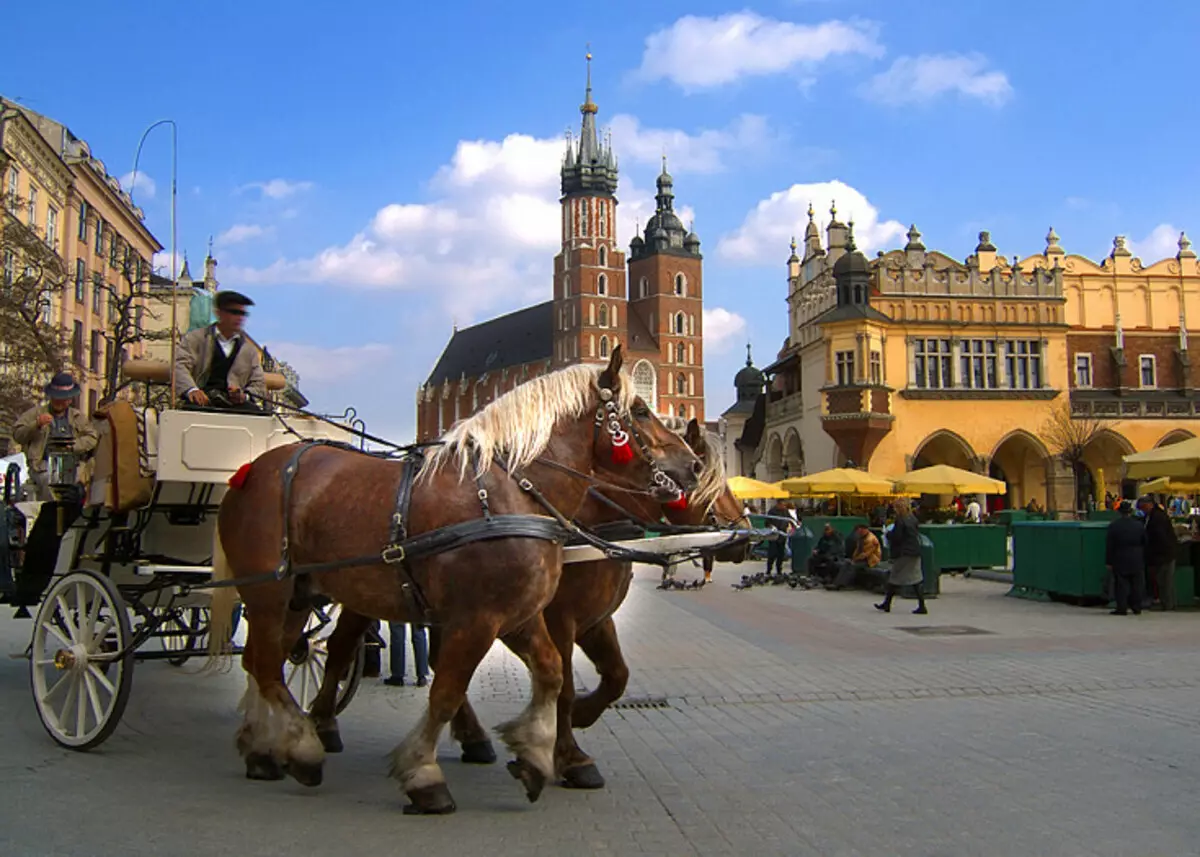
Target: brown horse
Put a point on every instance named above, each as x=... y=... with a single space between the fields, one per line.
x=581 y=612
x=567 y=430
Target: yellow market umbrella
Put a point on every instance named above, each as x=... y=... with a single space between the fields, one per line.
x=944 y=479
x=840 y=480
x=1181 y=460
x=1167 y=485
x=745 y=488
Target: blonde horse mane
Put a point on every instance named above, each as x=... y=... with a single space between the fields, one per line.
x=521 y=423
x=712 y=480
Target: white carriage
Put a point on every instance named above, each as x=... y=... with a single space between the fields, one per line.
x=123 y=571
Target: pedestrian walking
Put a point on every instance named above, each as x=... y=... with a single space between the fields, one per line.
x=1161 y=545
x=1125 y=557
x=420 y=644
x=778 y=518
x=905 y=546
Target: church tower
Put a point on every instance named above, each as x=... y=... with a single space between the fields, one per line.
x=666 y=276
x=589 y=271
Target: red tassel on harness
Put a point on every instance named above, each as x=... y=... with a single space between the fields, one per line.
x=621 y=451
x=679 y=503
x=238 y=479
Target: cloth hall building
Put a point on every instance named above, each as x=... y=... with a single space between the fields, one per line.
x=650 y=302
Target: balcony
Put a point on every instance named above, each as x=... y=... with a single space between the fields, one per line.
x=788 y=407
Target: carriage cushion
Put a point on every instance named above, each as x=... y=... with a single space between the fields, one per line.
x=129 y=486
x=159 y=372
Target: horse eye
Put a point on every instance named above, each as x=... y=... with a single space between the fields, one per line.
x=641 y=412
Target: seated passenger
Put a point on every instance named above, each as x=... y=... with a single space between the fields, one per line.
x=217 y=366
x=58 y=421
x=866 y=555
x=829 y=551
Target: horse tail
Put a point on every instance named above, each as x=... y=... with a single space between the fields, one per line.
x=224 y=598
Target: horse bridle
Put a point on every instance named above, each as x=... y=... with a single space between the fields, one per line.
x=608 y=416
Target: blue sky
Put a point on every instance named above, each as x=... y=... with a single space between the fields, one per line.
x=376 y=173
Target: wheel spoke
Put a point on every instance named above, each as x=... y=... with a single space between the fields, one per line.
x=94 y=697
x=69 y=704
x=54 y=629
x=68 y=622
x=99 y=639
x=81 y=705
x=53 y=689
x=98 y=674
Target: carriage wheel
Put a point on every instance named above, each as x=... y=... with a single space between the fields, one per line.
x=304 y=669
x=185 y=631
x=79 y=688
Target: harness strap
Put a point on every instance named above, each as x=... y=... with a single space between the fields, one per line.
x=289 y=476
x=414 y=598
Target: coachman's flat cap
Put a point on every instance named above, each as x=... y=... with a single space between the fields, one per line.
x=230 y=300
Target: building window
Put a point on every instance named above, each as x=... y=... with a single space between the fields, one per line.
x=603 y=253
x=876 y=368
x=680 y=412
x=604 y=345
x=52 y=227
x=680 y=285
x=10 y=267
x=1083 y=370
x=978 y=366
x=95 y=351
x=603 y=317
x=567 y=286
x=12 y=190
x=97 y=291
x=602 y=225
x=92 y=397
x=845 y=368
x=602 y=285
x=583 y=218
x=99 y=237
x=108 y=357
x=643 y=287
x=1023 y=364
x=83 y=216
x=112 y=251
x=31 y=210
x=1149 y=374
x=931 y=367
x=681 y=384
x=680 y=353
x=680 y=323
x=80 y=281
x=77 y=344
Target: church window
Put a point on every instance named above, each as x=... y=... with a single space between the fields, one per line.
x=680 y=285
x=679 y=353
x=681 y=384
x=680 y=323
x=681 y=412
x=602 y=285
x=583 y=218
x=643 y=287
x=602 y=224
x=604 y=346
x=566 y=286
x=603 y=254
x=643 y=382
x=603 y=317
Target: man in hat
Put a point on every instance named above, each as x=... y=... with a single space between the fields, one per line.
x=1125 y=557
x=57 y=421
x=218 y=365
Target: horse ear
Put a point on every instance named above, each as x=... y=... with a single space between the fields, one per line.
x=693 y=436
x=610 y=378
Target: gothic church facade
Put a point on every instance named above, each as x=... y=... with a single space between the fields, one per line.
x=649 y=301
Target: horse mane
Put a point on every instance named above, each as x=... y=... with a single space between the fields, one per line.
x=712 y=479
x=521 y=423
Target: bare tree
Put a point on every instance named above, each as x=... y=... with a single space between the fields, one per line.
x=32 y=346
x=1068 y=435
x=131 y=303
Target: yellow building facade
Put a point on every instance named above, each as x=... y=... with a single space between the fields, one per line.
x=914 y=358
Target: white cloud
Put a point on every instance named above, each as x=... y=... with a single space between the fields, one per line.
x=486 y=239
x=685 y=152
x=318 y=365
x=697 y=52
x=142 y=185
x=720 y=328
x=240 y=232
x=278 y=188
x=913 y=80
x=763 y=237
x=1161 y=243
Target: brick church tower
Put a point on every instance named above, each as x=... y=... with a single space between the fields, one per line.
x=589 y=270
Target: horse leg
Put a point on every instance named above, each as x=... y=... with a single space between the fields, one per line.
x=576 y=768
x=342 y=646
x=603 y=648
x=465 y=727
x=531 y=736
x=414 y=760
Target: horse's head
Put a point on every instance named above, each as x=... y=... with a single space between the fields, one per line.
x=713 y=502
x=633 y=448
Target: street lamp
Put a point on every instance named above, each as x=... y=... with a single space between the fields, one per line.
x=174 y=188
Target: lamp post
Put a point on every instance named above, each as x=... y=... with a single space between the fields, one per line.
x=174 y=188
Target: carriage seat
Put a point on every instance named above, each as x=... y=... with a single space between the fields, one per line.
x=123 y=479
x=159 y=372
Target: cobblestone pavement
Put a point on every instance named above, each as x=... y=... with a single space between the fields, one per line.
x=764 y=722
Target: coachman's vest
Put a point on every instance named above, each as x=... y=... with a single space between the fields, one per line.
x=218 y=374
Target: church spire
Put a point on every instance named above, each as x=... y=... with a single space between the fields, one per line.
x=589 y=146
x=589 y=168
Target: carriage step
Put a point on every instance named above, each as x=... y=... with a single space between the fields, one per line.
x=150 y=569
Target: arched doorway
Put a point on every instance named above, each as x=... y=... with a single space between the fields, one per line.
x=793 y=454
x=1102 y=468
x=774 y=459
x=944 y=447
x=1022 y=462
x=1174 y=436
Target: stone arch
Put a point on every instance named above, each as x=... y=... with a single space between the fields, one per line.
x=945 y=447
x=603 y=256
x=774 y=458
x=793 y=452
x=1174 y=436
x=1103 y=462
x=1022 y=461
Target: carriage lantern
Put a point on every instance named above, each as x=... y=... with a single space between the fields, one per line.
x=61 y=467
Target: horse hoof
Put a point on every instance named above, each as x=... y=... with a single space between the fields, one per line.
x=260 y=766
x=430 y=800
x=478 y=752
x=331 y=740
x=533 y=779
x=306 y=775
x=583 y=777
